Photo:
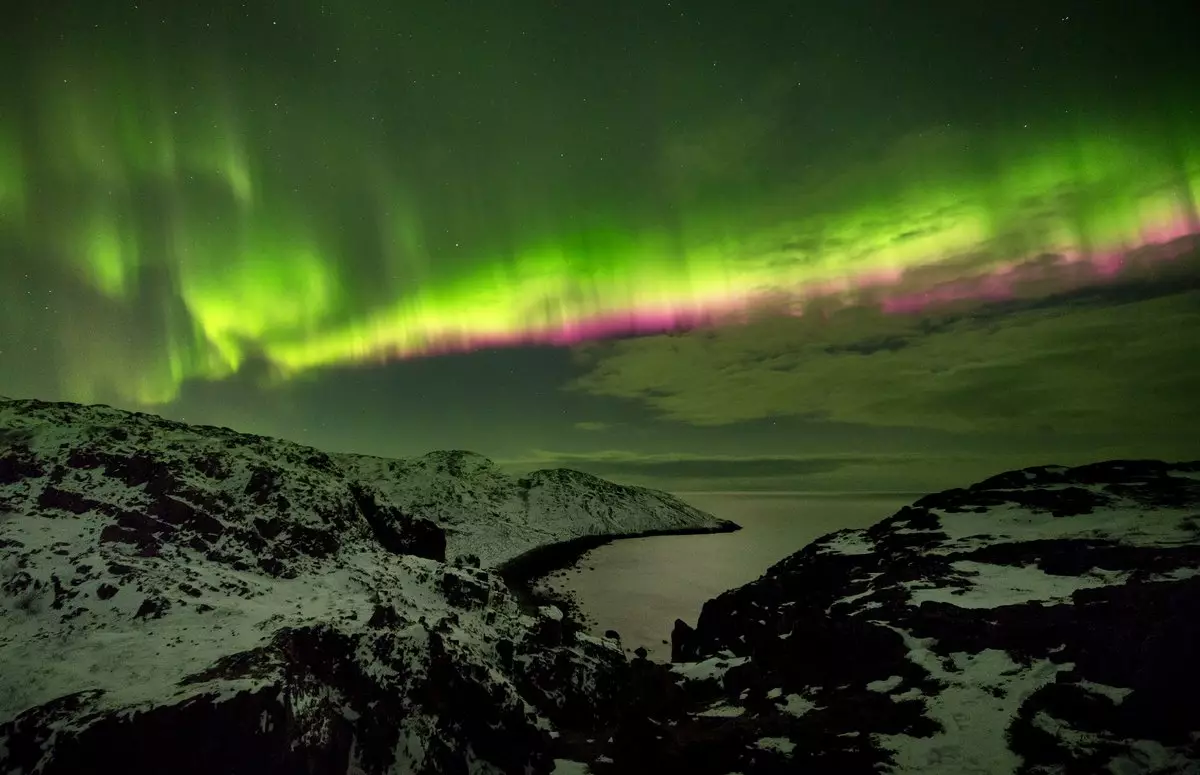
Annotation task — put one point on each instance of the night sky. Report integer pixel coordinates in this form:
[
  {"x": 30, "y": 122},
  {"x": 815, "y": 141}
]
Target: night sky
[{"x": 705, "y": 246}]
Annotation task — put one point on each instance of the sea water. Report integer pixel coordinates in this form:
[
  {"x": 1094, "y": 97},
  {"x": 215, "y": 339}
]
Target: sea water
[{"x": 640, "y": 586}]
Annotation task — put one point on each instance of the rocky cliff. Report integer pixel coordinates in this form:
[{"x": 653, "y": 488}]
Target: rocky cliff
[
  {"x": 1041, "y": 621},
  {"x": 498, "y": 517},
  {"x": 194, "y": 600}
]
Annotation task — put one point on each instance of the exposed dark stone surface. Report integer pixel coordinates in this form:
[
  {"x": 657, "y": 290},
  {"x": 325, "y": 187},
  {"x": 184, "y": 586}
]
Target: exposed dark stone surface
[
  {"x": 467, "y": 561},
  {"x": 399, "y": 532},
  {"x": 681, "y": 642},
  {"x": 836, "y": 627},
  {"x": 172, "y": 547},
  {"x": 466, "y": 587},
  {"x": 1061, "y": 603}
]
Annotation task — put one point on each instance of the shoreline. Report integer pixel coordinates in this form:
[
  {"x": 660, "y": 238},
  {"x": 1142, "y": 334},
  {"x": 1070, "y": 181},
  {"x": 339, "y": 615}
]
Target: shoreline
[
  {"x": 541, "y": 561},
  {"x": 522, "y": 573}
]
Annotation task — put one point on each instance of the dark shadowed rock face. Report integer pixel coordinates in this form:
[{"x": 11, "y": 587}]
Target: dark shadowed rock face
[
  {"x": 1041, "y": 621},
  {"x": 193, "y": 600}
]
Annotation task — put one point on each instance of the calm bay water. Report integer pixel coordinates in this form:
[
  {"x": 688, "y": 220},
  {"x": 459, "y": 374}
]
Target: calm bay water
[{"x": 640, "y": 586}]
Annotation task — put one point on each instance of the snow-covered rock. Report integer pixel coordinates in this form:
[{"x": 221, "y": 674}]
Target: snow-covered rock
[
  {"x": 1041, "y": 621},
  {"x": 498, "y": 517},
  {"x": 189, "y": 599}
]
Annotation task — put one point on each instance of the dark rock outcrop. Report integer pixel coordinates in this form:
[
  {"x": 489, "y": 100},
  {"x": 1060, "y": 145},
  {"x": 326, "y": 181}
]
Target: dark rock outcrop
[
  {"x": 1040, "y": 621},
  {"x": 187, "y": 599}
]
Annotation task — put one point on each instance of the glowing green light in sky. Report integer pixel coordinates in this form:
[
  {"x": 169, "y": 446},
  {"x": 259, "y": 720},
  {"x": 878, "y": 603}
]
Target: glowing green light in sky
[
  {"x": 109, "y": 250},
  {"x": 254, "y": 286},
  {"x": 225, "y": 233},
  {"x": 12, "y": 182}
]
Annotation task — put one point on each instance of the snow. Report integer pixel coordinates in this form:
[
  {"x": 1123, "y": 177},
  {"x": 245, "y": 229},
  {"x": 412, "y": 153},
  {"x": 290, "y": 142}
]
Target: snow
[
  {"x": 136, "y": 662},
  {"x": 1178, "y": 574},
  {"x": 868, "y": 581},
  {"x": 713, "y": 668},
  {"x": 1139, "y": 756},
  {"x": 497, "y": 516},
  {"x": 797, "y": 705},
  {"x": 721, "y": 710},
  {"x": 846, "y": 542},
  {"x": 1151, "y": 756},
  {"x": 981, "y": 695},
  {"x": 781, "y": 744},
  {"x": 995, "y": 585},
  {"x": 973, "y": 698},
  {"x": 1131, "y": 525},
  {"x": 210, "y": 600},
  {"x": 1116, "y": 694},
  {"x": 885, "y": 685}
]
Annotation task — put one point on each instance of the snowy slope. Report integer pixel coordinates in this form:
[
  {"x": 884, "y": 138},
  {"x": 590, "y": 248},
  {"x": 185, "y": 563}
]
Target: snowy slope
[
  {"x": 497, "y": 516},
  {"x": 1042, "y": 621},
  {"x": 193, "y": 600}
]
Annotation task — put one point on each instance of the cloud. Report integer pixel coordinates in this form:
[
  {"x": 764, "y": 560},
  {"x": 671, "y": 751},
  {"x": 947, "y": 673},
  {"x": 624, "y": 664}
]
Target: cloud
[
  {"x": 1122, "y": 360},
  {"x": 841, "y": 473}
]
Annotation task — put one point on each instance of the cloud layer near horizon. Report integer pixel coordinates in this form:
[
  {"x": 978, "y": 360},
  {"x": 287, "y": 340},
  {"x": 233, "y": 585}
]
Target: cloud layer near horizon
[{"x": 1120, "y": 360}]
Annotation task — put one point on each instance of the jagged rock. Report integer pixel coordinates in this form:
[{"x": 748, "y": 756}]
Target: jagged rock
[
  {"x": 383, "y": 616},
  {"x": 396, "y": 531},
  {"x": 467, "y": 561},
  {"x": 423, "y": 538},
  {"x": 188, "y": 599},
  {"x": 465, "y": 588},
  {"x": 681, "y": 635},
  {"x": 549, "y": 630},
  {"x": 1039, "y": 621}
]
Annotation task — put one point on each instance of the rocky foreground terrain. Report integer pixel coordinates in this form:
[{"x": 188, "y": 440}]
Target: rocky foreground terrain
[
  {"x": 194, "y": 600},
  {"x": 1041, "y": 621}
]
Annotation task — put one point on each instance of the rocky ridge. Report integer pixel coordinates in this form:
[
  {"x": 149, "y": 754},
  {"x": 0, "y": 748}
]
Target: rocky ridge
[
  {"x": 191, "y": 599},
  {"x": 499, "y": 517},
  {"x": 186, "y": 599},
  {"x": 1041, "y": 621}
]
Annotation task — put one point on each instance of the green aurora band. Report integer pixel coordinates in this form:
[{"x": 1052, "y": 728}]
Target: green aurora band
[{"x": 223, "y": 236}]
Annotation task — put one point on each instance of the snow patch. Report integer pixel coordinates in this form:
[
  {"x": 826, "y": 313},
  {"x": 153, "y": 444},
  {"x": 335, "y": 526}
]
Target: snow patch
[
  {"x": 797, "y": 705},
  {"x": 886, "y": 685},
  {"x": 1132, "y": 526},
  {"x": 847, "y": 542},
  {"x": 980, "y": 697},
  {"x": 779, "y": 744},
  {"x": 722, "y": 711},
  {"x": 996, "y": 585},
  {"x": 713, "y": 668},
  {"x": 1116, "y": 694}
]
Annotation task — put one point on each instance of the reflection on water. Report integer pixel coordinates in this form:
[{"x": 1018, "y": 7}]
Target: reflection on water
[{"x": 639, "y": 586}]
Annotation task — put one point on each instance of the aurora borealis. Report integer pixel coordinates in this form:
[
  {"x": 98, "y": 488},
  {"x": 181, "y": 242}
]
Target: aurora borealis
[{"x": 269, "y": 195}]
